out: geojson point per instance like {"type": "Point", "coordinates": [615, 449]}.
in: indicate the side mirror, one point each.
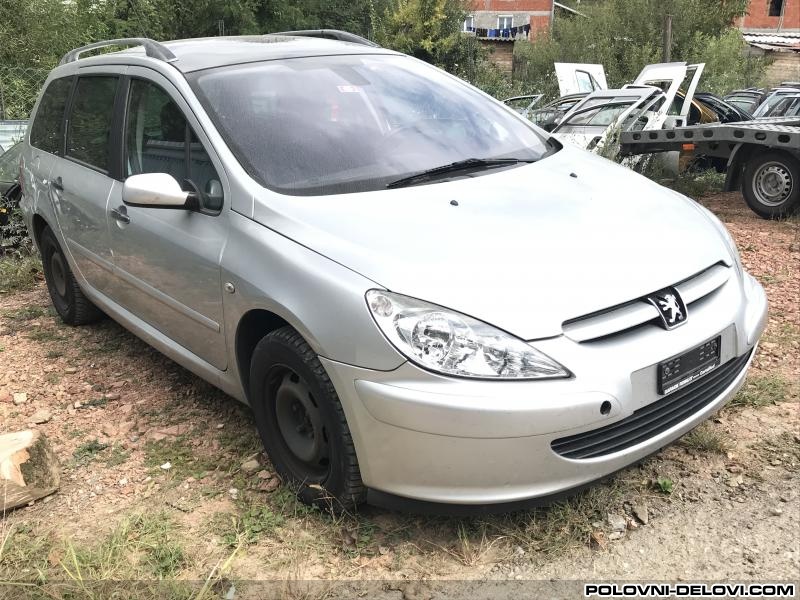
{"type": "Point", "coordinates": [156, 190]}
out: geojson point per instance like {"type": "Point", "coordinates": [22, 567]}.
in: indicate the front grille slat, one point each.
{"type": "Point", "coordinates": [635, 313]}
{"type": "Point", "coordinates": [653, 419]}
{"type": "Point", "coordinates": [661, 409]}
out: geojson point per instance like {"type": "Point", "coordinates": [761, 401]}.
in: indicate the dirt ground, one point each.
{"type": "Point", "coordinates": [159, 483]}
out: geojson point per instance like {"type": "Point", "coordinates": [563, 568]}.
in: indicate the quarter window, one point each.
{"type": "Point", "coordinates": [88, 138]}
{"type": "Point", "coordinates": [47, 132]}
{"type": "Point", "coordinates": [158, 139]}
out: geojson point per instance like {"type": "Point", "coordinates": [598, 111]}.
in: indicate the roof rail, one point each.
{"type": "Point", "coordinates": [151, 47]}
{"type": "Point", "coordinates": [330, 34]}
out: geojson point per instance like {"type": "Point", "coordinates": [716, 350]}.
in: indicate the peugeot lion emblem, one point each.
{"type": "Point", "coordinates": [670, 307]}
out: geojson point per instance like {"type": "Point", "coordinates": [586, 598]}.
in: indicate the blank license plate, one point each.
{"type": "Point", "coordinates": [681, 370]}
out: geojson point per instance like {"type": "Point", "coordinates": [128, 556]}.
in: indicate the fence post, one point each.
{"type": "Point", "coordinates": [2, 102]}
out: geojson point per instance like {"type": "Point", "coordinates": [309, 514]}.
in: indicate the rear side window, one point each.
{"type": "Point", "coordinates": [46, 132]}
{"type": "Point", "coordinates": [90, 120]}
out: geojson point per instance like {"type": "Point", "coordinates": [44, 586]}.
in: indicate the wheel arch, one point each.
{"type": "Point", "coordinates": [38, 223]}
{"type": "Point", "coordinates": [251, 329]}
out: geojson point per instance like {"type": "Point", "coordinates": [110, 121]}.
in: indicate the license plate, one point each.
{"type": "Point", "coordinates": [681, 370]}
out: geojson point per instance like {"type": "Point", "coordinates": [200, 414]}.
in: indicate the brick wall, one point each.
{"type": "Point", "coordinates": [537, 13]}
{"type": "Point", "coordinates": [758, 16]}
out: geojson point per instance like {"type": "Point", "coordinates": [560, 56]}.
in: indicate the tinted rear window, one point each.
{"type": "Point", "coordinates": [90, 120]}
{"type": "Point", "coordinates": [47, 132]}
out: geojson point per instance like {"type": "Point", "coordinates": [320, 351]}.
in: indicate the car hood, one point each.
{"type": "Point", "coordinates": [524, 249]}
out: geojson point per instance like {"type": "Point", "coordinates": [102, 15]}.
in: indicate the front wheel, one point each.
{"type": "Point", "coordinates": [301, 422]}
{"type": "Point", "coordinates": [771, 185]}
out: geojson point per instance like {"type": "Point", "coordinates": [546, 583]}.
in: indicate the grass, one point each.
{"type": "Point", "coordinates": [117, 456]}
{"type": "Point", "coordinates": [696, 184]}
{"type": "Point", "coordinates": [26, 313]}
{"type": "Point", "coordinates": [40, 334]}
{"type": "Point", "coordinates": [143, 548]}
{"type": "Point", "coordinates": [706, 439]}
{"type": "Point", "coordinates": [762, 390]}
{"type": "Point", "coordinates": [87, 452]}
{"type": "Point", "coordinates": [19, 273]}
{"type": "Point", "coordinates": [255, 521]}
{"type": "Point", "coordinates": [184, 460]}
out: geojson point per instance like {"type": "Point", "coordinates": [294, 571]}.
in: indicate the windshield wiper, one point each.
{"type": "Point", "coordinates": [468, 164]}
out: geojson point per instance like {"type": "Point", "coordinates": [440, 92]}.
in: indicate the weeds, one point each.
{"type": "Point", "coordinates": [256, 521]}
{"type": "Point", "coordinates": [19, 273]}
{"type": "Point", "coordinates": [696, 184]}
{"type": "Point", "coordinates": [762, 390]}
{"type": "Point", "coordinates": [705, 439]}
{"type": "Point", "coordinates": [184, 460]}
{"type": "Point", "coordinates": [86, 452]}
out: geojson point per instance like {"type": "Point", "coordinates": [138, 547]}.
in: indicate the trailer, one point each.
{"type": "Point", "coordinates": [763, 157]}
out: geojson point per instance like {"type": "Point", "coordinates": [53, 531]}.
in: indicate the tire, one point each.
{"type": "Point", "coordinates": [771, 185]}
{"type": "Point", "coordinates": [70, 303]}
{"type": "Point", "coordinates": [302, 424]}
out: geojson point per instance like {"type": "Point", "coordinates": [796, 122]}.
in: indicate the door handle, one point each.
{"type": "Point", "coordinates": [120, 215]}
{"type": "Point", "coordinates": [57, 184]}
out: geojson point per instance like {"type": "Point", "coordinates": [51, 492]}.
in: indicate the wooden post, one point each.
{"type": "Point", "coordinates": [666, 54]}
{"type": "Point", "coordinates": [29, 469]}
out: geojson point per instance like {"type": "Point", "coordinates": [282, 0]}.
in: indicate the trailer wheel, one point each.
{"type": "Point", "coordinates": [771, 185]}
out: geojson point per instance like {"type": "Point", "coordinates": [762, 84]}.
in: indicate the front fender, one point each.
{"type": "Point", "coordinates": [320, 298]}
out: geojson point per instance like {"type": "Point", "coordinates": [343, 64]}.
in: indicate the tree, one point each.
{"type": "Point", "coordinates": [625, 35]}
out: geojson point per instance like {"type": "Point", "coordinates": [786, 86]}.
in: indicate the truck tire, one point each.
{"type": "Point", "coordinates": [771, 184]}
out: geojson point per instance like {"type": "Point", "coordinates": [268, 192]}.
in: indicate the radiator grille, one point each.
{"type": "Point", "coordinates": [653, 419]}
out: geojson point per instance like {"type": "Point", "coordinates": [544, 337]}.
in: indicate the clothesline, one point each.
{"type": "Point", "coordinates": [509, 32]}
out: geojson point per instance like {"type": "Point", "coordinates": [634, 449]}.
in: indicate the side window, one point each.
{"type": "Point", "coordinates": [46, 132]}
{"type": "Point", "coordinates": [89, 126]}
{"type": "Point", "coordinates": [158, 139]}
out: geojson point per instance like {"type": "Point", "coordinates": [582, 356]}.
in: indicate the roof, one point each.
{"type": "Point", "coordinates": [206, 53]}
{"type": "Point", "coordinates": [780, 41]}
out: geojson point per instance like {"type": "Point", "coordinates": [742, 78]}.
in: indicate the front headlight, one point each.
{"type": "Point", "coordinates": [454, 344]}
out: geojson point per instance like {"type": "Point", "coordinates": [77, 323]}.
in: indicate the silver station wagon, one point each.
{"type": "Point", "coordinates": [428, 302]}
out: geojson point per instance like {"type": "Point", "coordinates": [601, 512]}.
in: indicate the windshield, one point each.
{"type": "Point", "coordinates": [9, 164]}
{"type": "Point", "coordinates": [341, 124]}
{"type": "Point", "coordinates": [768, 104]}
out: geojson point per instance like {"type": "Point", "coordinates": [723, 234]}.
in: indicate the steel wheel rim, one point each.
{"type": "Point", "coordinates": [300, 423]}
{"type": "Point", "coordinates": [772, 184]}
{"type": "Point", "coordinates": [58, 274]}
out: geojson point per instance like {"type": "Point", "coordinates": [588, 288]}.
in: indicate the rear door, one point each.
{"type": "Point", "coordinates": [45, 143]}
{"type": "Point", "coordinates": [82, 181]}
{"type": "Point", "coordinates": [168, 260]}
{"type": "Point", "coordinates": [671, 78]}
{"type": "Point", "coordinates": [576, 78]}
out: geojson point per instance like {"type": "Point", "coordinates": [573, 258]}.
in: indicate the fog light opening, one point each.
{"type": "Point", "coordinates": [605, 407]}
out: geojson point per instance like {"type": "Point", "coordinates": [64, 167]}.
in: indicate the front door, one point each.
{"type": "Point", "coordinates": [167, 260]}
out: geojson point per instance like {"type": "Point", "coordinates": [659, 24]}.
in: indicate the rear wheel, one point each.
{"type": "Point", "coordinates": [771, 185]}
{"type": "Point", "coordinates": [301, 422]}
{"type": "Point", "coordinates": [70, 303]}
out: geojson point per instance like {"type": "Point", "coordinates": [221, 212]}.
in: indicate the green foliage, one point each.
{"type": "Point", "coordinates": [19, 272]}
{"type": "Point", "coordinates": [625, 35]}
{"type": "Point", "coordinates": [426, 29]}
{"type": "Point", "coordinates": [665, 485]}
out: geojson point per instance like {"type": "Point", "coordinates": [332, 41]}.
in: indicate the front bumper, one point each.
{"type": "Point", "coordinates": [426, 437]}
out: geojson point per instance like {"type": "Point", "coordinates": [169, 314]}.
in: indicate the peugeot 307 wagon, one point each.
{"type": "Point", "coordinates": [428, 302]}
